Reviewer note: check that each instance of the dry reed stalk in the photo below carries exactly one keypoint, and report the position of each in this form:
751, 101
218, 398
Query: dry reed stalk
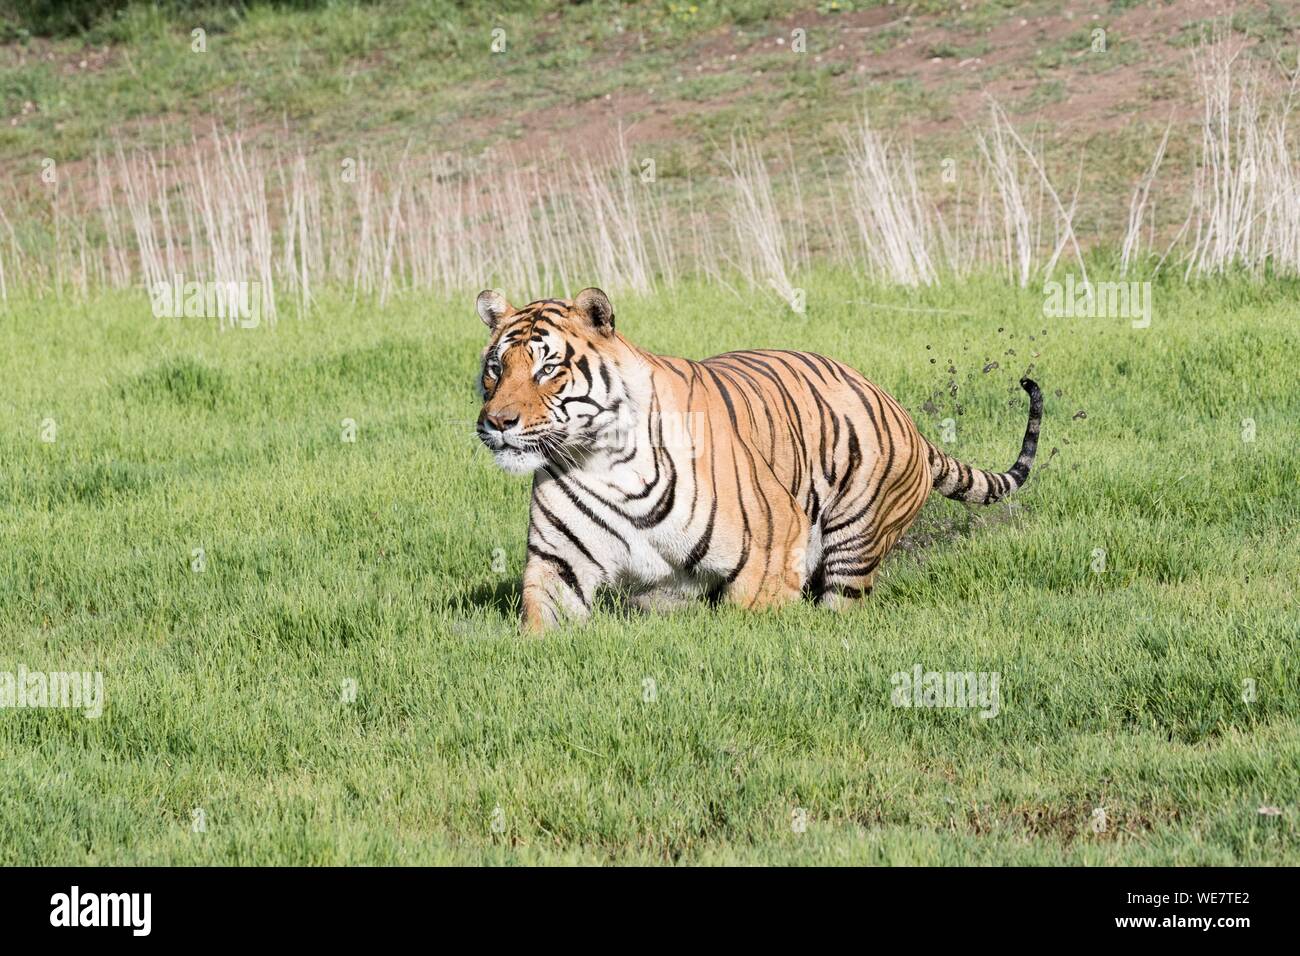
894, 223
764, 249
1137, 207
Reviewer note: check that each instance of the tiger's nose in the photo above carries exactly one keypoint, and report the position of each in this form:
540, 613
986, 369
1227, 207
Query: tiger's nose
501, 421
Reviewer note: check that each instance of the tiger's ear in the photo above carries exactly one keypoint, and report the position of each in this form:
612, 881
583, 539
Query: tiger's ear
492, 308
596, 307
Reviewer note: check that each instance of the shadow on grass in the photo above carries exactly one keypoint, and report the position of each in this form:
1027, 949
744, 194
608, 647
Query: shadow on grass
504, 597
500, 597
940, 524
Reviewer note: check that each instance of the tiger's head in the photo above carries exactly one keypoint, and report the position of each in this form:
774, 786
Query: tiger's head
552, 379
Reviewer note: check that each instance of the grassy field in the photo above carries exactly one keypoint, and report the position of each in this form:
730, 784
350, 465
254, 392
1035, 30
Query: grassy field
389, 564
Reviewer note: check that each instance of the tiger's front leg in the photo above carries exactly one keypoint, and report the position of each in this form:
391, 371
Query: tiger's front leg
566, 562
558, 585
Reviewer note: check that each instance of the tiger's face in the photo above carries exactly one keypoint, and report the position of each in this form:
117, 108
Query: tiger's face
548, 391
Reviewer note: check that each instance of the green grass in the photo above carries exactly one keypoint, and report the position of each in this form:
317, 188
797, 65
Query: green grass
373, 562
333, 72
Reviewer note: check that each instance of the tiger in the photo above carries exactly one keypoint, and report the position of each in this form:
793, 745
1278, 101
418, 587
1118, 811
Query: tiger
755, 478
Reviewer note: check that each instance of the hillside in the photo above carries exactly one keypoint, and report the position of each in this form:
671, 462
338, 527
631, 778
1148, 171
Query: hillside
1091, 84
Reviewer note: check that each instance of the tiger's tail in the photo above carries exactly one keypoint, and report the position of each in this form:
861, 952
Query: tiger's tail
961, 482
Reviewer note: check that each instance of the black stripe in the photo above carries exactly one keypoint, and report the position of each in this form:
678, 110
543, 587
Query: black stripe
582, 506
564, 530
564, 570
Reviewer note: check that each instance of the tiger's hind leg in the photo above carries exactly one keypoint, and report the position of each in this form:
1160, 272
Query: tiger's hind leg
851, 558
845, 569
863, 527
843, 595
846, 575
842, 579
